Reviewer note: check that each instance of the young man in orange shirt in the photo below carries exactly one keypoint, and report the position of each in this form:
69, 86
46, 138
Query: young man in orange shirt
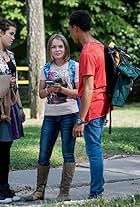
93, 95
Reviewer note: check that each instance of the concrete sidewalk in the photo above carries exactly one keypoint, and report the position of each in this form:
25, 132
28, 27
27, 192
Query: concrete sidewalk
122, 175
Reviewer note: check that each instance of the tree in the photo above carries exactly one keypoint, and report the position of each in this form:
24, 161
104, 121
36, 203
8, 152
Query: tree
36, 51
116, 20
113, 20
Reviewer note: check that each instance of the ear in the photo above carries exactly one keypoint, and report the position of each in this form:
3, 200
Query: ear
75, 28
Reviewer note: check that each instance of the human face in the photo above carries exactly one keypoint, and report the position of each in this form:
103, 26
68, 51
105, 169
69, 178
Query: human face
73, 33
7, 38
57, 49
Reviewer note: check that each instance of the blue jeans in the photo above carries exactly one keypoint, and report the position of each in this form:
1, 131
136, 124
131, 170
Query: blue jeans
49, 133
92, 134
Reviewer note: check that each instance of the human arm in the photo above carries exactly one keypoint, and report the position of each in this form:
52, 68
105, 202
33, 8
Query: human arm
20, 106
71, 91
88, 83
12, 81
67, 91
43, 91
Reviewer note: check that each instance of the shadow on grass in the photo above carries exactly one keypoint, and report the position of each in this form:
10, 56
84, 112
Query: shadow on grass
122, 140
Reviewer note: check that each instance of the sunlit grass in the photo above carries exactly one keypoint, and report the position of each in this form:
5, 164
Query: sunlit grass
125, 139
132, 201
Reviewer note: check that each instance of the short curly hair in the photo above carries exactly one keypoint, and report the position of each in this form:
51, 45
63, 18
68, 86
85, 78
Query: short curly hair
80, 18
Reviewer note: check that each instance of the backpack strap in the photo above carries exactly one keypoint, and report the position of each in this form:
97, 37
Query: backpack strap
71, 69
46, 69
110, 120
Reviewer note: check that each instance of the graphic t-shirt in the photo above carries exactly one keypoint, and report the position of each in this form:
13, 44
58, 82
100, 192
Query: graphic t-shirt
58, 103
61, 77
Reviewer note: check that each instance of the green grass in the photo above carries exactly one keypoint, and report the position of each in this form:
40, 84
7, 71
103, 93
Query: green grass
133, 201
24, 153
125, 139
122, 141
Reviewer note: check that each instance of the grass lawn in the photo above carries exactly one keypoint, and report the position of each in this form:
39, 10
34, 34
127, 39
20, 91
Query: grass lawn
125, 139
132, 201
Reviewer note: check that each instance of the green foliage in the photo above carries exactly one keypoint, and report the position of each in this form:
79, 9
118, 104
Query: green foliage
116, 20
14, 10
70, 3
111, 22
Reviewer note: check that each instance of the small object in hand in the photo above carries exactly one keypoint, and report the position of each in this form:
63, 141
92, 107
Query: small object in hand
49, 82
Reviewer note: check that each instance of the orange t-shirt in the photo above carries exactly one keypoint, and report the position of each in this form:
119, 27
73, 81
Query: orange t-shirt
92, 63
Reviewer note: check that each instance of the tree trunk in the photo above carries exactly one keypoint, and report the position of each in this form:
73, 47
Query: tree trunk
36, 52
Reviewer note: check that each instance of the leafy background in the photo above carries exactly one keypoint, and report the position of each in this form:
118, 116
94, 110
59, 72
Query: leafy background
116, 20
113, 20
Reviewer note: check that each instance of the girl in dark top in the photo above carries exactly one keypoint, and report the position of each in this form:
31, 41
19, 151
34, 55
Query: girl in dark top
11, 110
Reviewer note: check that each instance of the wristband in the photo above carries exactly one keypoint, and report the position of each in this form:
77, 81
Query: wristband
80, 121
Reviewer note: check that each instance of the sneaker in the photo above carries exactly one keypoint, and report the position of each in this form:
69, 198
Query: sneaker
4, 199
13, 196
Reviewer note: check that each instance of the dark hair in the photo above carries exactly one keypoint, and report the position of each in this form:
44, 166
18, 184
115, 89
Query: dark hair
80, 18
5, 24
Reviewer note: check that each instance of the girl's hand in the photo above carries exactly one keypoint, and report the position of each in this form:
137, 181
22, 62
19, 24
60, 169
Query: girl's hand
57, 88
54, 88
22, 114
12, 82
50, 89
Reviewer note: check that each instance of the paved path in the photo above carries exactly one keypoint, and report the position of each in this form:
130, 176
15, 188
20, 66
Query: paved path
122, 175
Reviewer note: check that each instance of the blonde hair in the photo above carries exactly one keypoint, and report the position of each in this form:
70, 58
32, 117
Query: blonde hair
66, 45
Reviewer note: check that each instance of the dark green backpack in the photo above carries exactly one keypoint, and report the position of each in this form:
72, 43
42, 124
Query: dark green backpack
120, 74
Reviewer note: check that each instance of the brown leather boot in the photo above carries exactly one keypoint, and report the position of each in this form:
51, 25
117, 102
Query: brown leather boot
42, 177
67, 176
